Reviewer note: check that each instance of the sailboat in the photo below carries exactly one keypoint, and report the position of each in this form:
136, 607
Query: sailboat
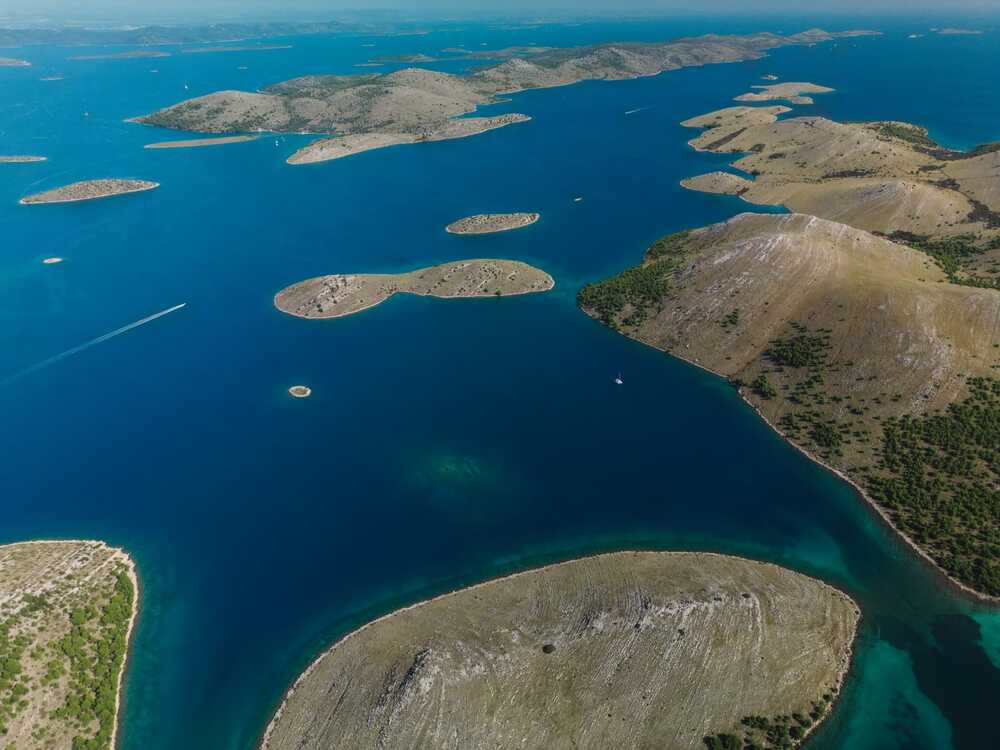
618, 380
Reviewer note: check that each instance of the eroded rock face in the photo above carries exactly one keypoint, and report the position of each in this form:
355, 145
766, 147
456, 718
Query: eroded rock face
629, 650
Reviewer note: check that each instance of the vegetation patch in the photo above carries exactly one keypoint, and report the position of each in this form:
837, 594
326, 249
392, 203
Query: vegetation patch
63, 639
628, 299
775, 733
905, 132
939, 478
953, 254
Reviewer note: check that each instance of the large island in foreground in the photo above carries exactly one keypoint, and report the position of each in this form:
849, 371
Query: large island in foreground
87, 190
67, 609
625, 650
415, 105
344, 294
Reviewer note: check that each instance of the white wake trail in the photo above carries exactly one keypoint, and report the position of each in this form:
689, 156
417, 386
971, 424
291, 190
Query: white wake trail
88, 344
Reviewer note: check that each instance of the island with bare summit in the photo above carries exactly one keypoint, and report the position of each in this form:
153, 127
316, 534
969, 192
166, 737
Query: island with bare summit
487, 223
673, 650
344, 294
87, 190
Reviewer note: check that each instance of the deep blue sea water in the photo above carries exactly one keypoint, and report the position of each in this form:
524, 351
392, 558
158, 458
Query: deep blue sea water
445, 441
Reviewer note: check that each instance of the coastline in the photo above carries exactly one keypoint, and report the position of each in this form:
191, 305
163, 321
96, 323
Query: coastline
954, 583
117, 553
129, 645
262, 744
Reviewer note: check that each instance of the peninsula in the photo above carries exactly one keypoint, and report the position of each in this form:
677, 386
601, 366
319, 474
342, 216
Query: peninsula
199, 142
339, 295
886, 177
418, 105
856, 349
89, 190
67, 610
630, 649
26, 159
488, 223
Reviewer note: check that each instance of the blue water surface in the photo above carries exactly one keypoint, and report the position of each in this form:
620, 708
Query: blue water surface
445, 441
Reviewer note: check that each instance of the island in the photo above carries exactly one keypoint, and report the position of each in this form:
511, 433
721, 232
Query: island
52, 261
347, 145
411, 58
959, 32
887, 177
723, 183
415, 105
241, 48
25, 159
790, 92
488, 223
199, 142
346, 294
855, 348
89, 190
632, 649
11, 62
136, 54
69, 609
300, 391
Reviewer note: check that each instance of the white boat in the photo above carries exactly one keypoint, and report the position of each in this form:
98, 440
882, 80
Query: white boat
618, 380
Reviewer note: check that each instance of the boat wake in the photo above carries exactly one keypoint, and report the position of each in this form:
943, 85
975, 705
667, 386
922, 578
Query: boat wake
93, 342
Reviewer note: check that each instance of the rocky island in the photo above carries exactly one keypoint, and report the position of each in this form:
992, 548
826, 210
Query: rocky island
89, 190
856, 348
789, 92
135, 54
630, 650
67, 610
417, 105
345, 294
488, 223
200, 142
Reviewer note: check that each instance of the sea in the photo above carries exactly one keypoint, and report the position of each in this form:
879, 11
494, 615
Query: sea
445, 442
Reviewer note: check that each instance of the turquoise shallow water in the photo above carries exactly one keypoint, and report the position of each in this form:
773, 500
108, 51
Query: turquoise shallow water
445, 442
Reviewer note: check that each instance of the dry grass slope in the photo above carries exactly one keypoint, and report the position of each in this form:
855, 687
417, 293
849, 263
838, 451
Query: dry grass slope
840, 338
885, 177
629, 650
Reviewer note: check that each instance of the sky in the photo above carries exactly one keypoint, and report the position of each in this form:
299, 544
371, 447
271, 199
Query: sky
137, 11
